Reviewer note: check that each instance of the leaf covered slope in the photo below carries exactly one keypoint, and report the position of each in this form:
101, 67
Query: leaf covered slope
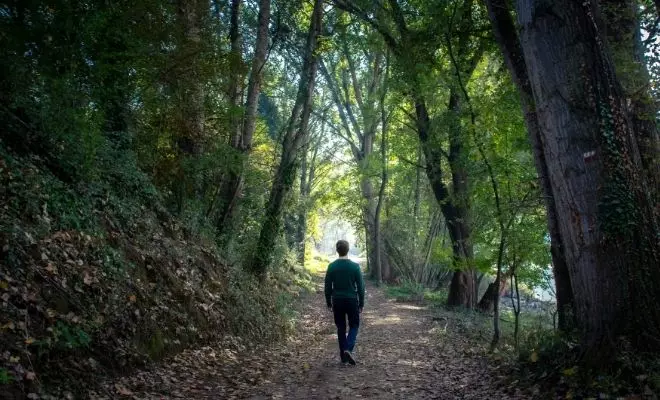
93, 281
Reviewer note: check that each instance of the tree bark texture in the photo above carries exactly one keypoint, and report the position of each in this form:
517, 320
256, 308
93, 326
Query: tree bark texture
293, 140
507, 37
606, 220
457, 213
190, 86
624, 37
383, 180
189, 91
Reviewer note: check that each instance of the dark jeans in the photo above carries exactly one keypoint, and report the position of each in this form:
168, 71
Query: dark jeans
343, 308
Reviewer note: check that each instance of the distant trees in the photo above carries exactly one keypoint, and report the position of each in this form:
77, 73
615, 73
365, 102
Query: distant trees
356, 80
414, 49
293, 141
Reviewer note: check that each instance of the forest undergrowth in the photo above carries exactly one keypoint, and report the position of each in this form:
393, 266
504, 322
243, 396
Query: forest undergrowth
97, 278
545, 362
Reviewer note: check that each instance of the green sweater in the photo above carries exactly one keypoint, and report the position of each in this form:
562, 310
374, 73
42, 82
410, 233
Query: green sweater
343, 280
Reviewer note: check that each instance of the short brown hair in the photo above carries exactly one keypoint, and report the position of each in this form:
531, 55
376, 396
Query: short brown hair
342, 248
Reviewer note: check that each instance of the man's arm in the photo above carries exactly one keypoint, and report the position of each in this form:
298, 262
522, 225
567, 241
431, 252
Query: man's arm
359, 281
328, 287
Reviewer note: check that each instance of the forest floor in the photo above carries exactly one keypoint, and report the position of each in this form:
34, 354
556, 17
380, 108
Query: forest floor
404, 351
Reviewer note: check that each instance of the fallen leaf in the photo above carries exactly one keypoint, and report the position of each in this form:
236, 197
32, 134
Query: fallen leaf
121, 390
132, 298
30, 376
534, 357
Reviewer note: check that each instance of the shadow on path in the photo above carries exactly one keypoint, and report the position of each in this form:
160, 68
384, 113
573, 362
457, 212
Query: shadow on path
402, 354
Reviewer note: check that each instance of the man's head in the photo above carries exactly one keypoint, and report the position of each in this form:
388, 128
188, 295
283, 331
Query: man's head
342, 248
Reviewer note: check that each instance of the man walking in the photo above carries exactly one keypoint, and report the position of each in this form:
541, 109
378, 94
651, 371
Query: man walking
344, 295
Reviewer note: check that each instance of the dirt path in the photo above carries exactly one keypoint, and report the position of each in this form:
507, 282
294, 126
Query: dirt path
403, 353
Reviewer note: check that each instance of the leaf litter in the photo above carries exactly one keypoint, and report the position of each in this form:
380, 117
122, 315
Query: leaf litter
402, 352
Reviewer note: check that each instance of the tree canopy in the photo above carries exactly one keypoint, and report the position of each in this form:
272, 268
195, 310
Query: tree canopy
469, 146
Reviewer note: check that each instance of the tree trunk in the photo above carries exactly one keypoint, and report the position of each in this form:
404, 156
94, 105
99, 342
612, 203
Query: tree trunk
516, 307
383, 181
236, 71
369, 203
624, 37
294, 137
606, 220
189, 91
457, 212
307, 171
242, 141
418, 200
461, 291
507, 38
361, 139
190, 85
488, 299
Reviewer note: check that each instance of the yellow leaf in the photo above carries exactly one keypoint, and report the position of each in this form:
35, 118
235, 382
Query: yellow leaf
29, 341
4, 285
534, 357
570, 371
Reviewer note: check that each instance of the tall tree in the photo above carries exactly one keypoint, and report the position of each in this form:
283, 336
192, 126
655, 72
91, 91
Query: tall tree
191, 88
415, 56
293, 139
384, 125
242, 130
606, 219
507, 37
309, 163
356, 94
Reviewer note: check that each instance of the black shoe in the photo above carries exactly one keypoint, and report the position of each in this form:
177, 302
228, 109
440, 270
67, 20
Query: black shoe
344, 361
349, 357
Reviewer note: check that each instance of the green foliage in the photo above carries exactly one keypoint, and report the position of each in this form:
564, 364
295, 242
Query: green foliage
118, 125
5, 378
554, 360
410, 291
67, 336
